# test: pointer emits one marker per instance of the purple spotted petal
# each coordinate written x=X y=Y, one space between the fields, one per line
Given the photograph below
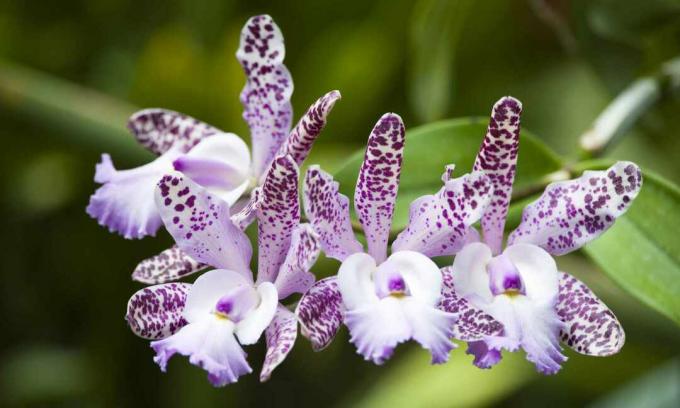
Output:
x=299 y=142
x=472 y=323
x=200 y=224
x=269 y=86
x=328 y=211
x=170 y=265
x=248 y=213
x=160 y=129
x=294 y=275
x=569 y=214
x=320 y=313
x=174 y=264
x=439 y=224
x=590 y=327
x=378 y=182
x=281 y=335
x=156 y=312
x=498 y=158
x=277 y=216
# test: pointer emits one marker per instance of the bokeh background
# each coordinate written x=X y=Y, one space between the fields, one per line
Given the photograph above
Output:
x=71 y=72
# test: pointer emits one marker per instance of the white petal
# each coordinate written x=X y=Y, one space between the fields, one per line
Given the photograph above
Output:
x=125 y=201
x=538 y=271
x=226 y=147
x=377 y=328
x=431 y=327
x=251 y=327
x=355 y=280
x=469 y=273
x=233 y=152
x=422 y=276
x=209 y=344
x=208 y=289
x=535 y=325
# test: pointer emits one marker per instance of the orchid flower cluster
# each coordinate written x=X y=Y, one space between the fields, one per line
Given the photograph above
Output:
x=206 y=188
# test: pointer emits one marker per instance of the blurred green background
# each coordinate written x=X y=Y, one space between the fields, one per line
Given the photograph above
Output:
x=72 y=71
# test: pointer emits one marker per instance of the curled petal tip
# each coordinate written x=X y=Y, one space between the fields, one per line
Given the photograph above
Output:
x=391 y=116
x=509 y=102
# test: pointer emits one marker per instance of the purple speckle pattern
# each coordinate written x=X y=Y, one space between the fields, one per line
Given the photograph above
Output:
x=569 y=214
x=590 y=327
x=320 y=313
x=497 y=157
x=170 y=265
x=378 y=182
x=281 y=334
x=200 y=224
x=301 y=139
x=248 y=213
x=328 y=211
x=439 y=223
x=156 y=312
x=269 y=86
x=173 y=264
x=160 y=129
x=278 y=214
x=294 y=275
x=472 y=324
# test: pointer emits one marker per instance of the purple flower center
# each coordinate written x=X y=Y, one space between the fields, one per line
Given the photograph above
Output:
x=224 y=306
x=237 y=303
x=504 y=278
x=396 y=284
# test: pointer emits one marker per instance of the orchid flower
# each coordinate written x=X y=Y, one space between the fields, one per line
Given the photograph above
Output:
x=224 y=309
x=217 y=160
x=520 y=286
x=385 y=300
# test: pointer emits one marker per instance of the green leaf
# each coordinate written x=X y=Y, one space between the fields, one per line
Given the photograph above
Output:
x=412 y=382
x=641 y=252
x=431 y=147
x=434 y=37
x=85 y=116
x=655 y=389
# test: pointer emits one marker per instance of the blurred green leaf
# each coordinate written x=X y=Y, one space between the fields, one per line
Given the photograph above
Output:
x=412 y=382
x=42 y=374
x=84 y=115
x=436 y=29
x=656 y=389
x=431 y=147
x=630 y=21
x=649 y=267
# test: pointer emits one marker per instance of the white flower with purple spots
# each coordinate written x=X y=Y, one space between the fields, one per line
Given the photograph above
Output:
x=218 y=161
x=520 y=286
x=225 y=308
x=386 y=300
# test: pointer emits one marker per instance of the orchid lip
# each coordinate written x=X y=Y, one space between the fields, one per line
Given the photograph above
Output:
x=209 y=172
x=390 y=284
x=504 y=278
x=236 y=304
